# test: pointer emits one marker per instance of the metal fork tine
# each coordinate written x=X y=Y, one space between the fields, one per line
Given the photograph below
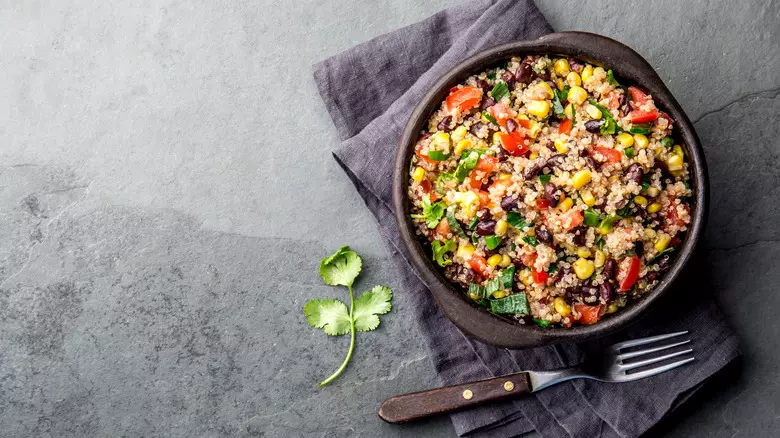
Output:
x=652 y=360
x=658 y=370
x=625 y=356
x=642 y=341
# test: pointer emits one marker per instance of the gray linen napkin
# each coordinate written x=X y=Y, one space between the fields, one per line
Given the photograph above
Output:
x=369 y=91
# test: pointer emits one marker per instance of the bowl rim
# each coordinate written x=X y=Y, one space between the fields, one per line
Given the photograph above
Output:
x=598 y=50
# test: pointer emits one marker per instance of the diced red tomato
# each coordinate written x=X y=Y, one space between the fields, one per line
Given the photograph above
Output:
x=422 y=157
x=474 y=181
x=479 y=264
x=612 y=155
x=484 y=199
x=638 y=96
x=525 y=123
x=487 y=164
x=528 y=259
x=514 y=143
x=443 y=228
x=542 y=204
x=500 y=113
x=639 y=116
x=463 y=99
x=565 y=127
x=540 y=277
x=588 y=314
x=426 y=187
x=631 y=275
x=571 y=219
x=614 y=101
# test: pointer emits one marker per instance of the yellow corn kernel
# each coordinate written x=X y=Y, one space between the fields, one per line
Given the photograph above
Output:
x=499 y=294
x=545 y=91
x=441 y=140
x=561 y=307
x=569 y=111
x=584 y=252
x=654 y=207
x=463 y=145
x=652 y=192
x=625 y=139
x=612 y=308
x=605 y=228
x=534 y=129
x=465 y=252
x=580 y=178
x=565 y=205
x=674 y=162
x=640 y=200
x=482 y=144
x=494 y=260
x=474 y=296
x=419 y=174
x=649 y=233
x=560 y=84
x=593 y=112
x=678 y=151
x=505 y=261
x=573 y=79
x=526 y=277
x=501 y=227
x=561 y=146
x=570 y=249
x=662 y=242
x=583 y=268
x=561 y=67
x=599 y=258
x=459 y=133
x=614 y=178
x=588 y=198
x=531 y=232
x=497 y=137
x=577 y=95
x=640 y=141
x=470 y=210
x=598 y=71
x=533 y=156
x=538 y=108
x=504 y=176
x=587 y=72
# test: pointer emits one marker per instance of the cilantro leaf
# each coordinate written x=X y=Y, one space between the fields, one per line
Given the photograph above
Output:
x=370 y=304
x=440 y=250
x=609 y=127
x=490 y=117
x=611 y=78
x=432 y=213
x=341 y=268
x=467 y=163
x=492 y=242
x=557 y=104
x=516 y=220
x=329 y=315
x=531 y=240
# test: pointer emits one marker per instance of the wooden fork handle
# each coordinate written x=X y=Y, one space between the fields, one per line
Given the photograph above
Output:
x=408 y=407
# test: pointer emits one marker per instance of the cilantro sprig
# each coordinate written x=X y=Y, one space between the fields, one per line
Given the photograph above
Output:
x=432 y=212
x=341 y=269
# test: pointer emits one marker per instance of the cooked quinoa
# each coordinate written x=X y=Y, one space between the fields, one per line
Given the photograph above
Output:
x=550 y=192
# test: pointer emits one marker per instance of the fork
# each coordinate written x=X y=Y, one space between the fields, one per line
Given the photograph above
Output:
x=612 y=367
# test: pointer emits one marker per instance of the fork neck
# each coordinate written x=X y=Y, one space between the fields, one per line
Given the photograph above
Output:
x=543 y=379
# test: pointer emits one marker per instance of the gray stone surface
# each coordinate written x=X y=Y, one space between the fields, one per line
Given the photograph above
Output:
x=166 y=192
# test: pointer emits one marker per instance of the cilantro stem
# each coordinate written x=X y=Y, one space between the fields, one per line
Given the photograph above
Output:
x=351 y=338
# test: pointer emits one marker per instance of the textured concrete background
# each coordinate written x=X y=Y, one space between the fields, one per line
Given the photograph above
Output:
x=160 y=161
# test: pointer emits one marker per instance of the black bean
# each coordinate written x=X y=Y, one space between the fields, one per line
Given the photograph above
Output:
x=551 y=195
x=475 y=128
x=651 y=277
x=583 y=153
x=544 y=75
x=623 y=103
x=559 y=274
x=444 y=125
x=588 y=291
x=575 y=65
x=533 y=170
x=605 y=290
x=487 y=103
x=544 y=236
x=524 y=74
x=592 y=163
x=610 y=269
x=486 y=227
x=502 y=154
x=572 y=293
x=639 y=248
x=555 y=161
x=665 y=262
x=509 y=78
x=471 y=275
x=483 y=84
x=551 y=146
x=593 y=126
x=511 y=124
x=509 y=203
x=484 y=214
x=635 y=173
x=580 y=235
x=641 y=212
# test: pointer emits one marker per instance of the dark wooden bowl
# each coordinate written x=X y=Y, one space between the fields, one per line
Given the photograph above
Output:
x=629 y=66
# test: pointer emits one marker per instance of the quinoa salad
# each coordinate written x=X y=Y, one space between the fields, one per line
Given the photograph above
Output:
x=550 y=192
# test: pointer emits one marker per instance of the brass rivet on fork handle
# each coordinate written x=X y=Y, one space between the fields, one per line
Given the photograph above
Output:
x=508 y=385
x=467 y=394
